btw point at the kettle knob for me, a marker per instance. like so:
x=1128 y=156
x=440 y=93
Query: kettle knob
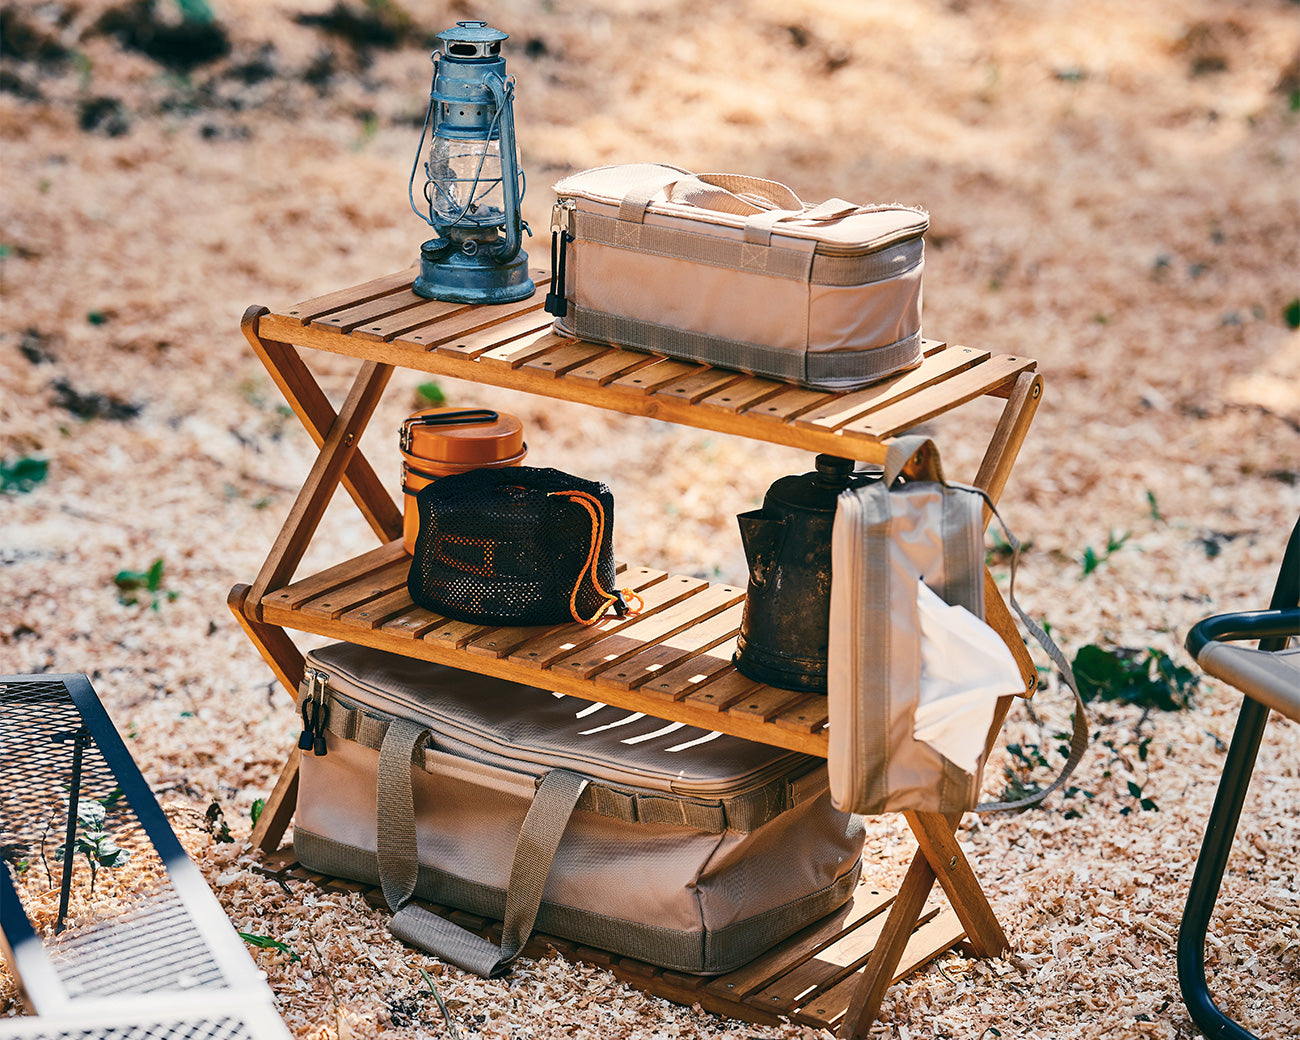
x=834 y=472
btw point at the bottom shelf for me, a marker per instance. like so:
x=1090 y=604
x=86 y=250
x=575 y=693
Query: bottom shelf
x=809 y=978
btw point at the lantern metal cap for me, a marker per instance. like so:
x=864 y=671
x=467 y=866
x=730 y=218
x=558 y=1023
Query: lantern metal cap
x=472 y=39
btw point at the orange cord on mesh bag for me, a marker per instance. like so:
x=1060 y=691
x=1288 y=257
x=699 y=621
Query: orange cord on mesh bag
x=623 y=597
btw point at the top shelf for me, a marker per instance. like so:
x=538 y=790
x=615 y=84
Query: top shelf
x=513 y=346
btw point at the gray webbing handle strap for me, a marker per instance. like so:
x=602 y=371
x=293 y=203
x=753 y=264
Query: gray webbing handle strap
x=923 y=455
x=539 y=838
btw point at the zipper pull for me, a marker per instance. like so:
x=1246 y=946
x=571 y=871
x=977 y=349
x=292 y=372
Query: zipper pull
x=561 y=236
x=322 y=721
x=307 y=708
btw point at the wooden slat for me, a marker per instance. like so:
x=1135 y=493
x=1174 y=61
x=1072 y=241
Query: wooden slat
x=787 y=404
x=412 y=623
x=936 y=933
x=942 y=397
x=767 y=968
x=645 y=665
x=503 y=641
x=805 y=717
x=605 y=368
x=722 y=692
x=606 y=652
x=675 y=683
x=453 y=633
x=654 y=376
x=699 y=385
x=767 y=702
x=557 y=362
x=833 y=963
x=933 y=369
x=349 y=318
x=450 y=320
x=340 y=574
x=302 y=313
x=346 y=597
x=377 y=611
x=560 y=642
x=742 y=395
x=629 y=400
x=531 y=323
x=512 y=355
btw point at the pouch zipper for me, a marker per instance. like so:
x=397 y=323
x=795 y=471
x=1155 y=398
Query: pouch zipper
x=561 y=235
x=315 y=712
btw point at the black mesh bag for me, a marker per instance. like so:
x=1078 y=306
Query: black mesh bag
x=515 y=546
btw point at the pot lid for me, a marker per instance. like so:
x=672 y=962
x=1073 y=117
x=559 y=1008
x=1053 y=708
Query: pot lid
x=470 y=436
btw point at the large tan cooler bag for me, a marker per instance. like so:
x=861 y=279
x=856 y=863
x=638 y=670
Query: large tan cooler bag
x=738 y=272
x=681 y=848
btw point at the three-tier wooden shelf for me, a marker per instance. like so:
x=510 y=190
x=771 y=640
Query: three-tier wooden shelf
x=673 y=659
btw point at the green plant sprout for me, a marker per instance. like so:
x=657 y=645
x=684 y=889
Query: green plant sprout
x=93 y=840
x=432 y=393
x=22 y=474
x=451 y=1026
x=265 y=942
x=1092 y=559
x=133 y=586
x=1147 y=679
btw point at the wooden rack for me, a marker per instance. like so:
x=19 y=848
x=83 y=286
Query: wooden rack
x=673 y=660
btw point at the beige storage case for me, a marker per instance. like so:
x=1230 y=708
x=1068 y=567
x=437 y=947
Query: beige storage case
x=689 y=850
x=738 y=272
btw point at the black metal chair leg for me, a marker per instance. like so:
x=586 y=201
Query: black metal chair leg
x=1235 y=780
x=1219 y=832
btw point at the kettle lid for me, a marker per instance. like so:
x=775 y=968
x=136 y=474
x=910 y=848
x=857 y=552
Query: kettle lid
x=817 y=491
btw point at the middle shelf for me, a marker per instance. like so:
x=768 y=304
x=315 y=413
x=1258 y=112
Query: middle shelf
x=672 y=660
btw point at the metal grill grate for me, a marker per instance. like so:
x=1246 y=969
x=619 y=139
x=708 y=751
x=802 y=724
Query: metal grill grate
x=38 y=726
x=148 y=942
x=147 y=952
x=187 y=1029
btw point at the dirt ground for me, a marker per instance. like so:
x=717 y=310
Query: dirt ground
x=1114 y=190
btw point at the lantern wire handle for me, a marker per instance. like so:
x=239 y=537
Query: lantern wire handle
x=419 y=150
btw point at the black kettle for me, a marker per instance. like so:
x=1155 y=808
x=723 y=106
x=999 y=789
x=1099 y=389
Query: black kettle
x=786 y=622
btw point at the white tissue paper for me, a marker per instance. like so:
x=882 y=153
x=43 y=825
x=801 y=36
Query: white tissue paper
x=965 y=668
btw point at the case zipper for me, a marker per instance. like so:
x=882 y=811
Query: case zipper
x=561 y=236
x=315 y=712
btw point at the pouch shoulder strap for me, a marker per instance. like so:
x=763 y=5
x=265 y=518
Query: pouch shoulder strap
x=539 y=838
x=1079 y=734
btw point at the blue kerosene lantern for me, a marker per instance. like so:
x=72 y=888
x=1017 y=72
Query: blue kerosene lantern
x=473 y=184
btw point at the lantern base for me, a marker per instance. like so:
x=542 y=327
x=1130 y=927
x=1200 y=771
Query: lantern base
x=456 y=277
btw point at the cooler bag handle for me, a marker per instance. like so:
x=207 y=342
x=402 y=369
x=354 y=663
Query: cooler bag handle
x=733 y=193
x=765 y=203
x=539 y=838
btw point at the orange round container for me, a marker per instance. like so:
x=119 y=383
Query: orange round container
x=437 y=442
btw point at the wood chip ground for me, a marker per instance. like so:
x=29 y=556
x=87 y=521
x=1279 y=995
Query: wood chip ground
x=1113 y=191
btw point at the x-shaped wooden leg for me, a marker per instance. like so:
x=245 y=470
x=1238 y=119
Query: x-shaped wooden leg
x=338 y=462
